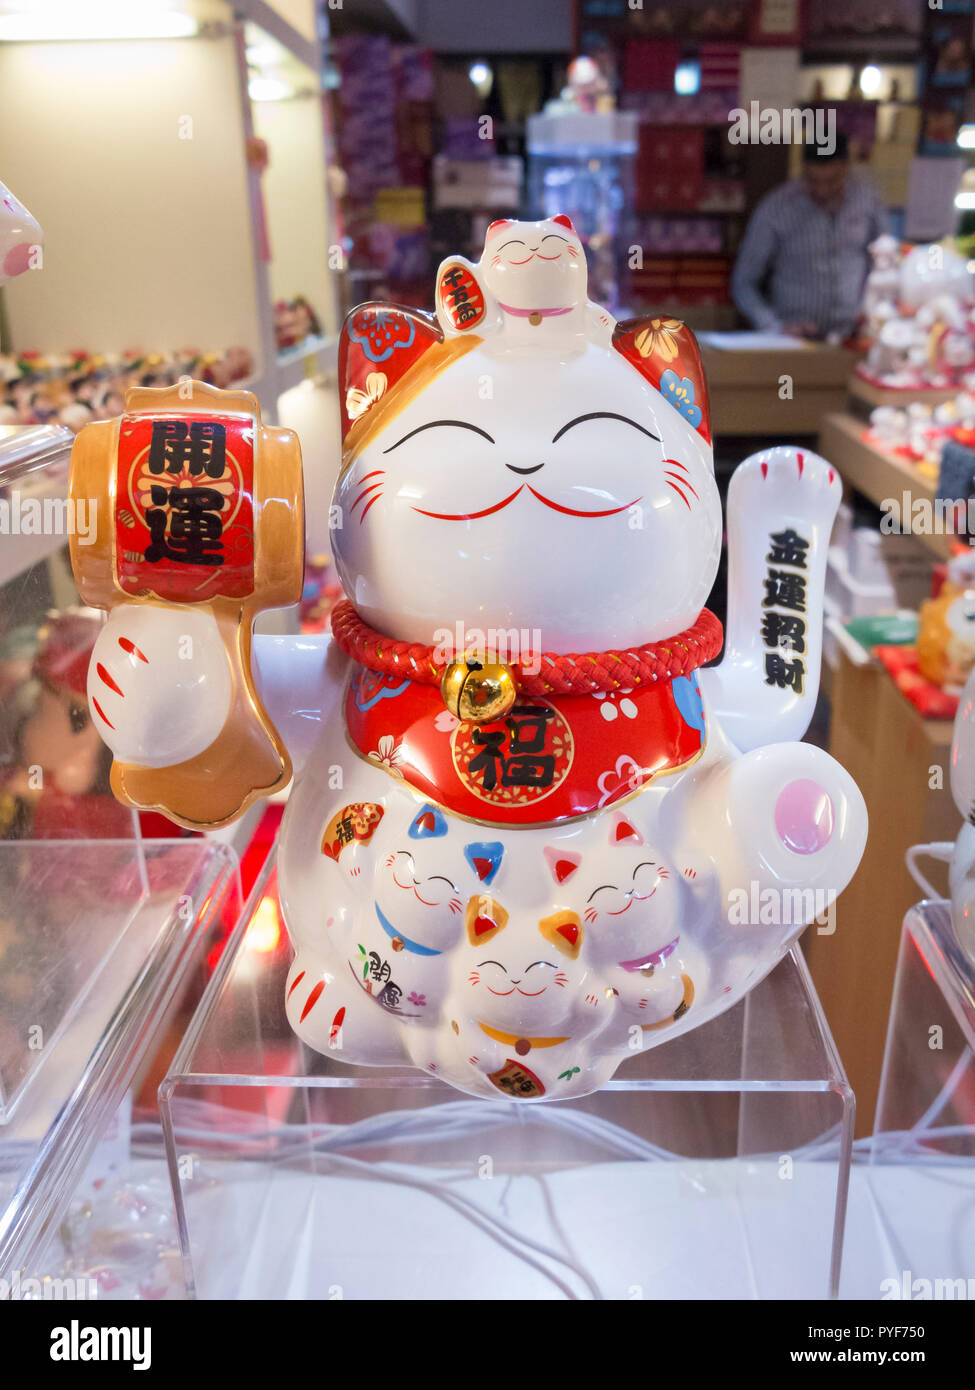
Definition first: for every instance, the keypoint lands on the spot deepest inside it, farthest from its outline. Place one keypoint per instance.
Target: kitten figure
(529, 288)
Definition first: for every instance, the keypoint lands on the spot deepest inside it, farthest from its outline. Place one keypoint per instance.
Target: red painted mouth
(506, 501)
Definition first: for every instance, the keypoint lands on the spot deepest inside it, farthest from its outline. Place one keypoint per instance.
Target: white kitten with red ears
(516, 903)
(529, 288)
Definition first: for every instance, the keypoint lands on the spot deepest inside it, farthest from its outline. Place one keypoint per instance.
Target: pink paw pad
(17, 259)
(804, 816)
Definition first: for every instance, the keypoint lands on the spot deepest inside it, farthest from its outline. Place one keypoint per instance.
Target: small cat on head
(529, 288)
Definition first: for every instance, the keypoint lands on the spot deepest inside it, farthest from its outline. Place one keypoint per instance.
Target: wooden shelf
(874, 396)
(877, 475)
(744, 390)
(889, 749)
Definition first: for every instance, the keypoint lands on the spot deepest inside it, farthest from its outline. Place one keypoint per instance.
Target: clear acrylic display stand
(97, 938)
(922, 1156)
(715, 1166)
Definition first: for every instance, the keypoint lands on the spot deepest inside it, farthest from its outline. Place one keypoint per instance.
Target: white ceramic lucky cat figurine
(530, 834)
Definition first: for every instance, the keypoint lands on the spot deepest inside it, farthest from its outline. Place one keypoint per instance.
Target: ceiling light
(871, 80)
(269, 89)
(50, 20)
(687, 78)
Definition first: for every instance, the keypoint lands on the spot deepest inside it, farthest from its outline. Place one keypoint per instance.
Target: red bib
(546, 760)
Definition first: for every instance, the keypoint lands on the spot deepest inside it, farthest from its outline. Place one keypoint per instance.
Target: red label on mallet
(184, 511)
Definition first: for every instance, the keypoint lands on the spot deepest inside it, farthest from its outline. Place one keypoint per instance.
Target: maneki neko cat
(533, 829)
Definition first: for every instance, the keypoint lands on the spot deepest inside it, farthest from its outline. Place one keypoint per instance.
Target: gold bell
(478, 690)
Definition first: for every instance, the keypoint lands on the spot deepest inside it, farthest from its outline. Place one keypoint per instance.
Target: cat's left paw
(786, 481)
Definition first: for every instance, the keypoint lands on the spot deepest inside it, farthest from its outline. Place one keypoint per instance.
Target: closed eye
(603, 415)
(515, 241)
(441, 879)
(539, 962)
(600, 890)
(647, 864)
(491, 962)
(438, 424)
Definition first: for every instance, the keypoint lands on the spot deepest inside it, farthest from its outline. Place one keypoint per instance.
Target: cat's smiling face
(535, 265)
(566, 497)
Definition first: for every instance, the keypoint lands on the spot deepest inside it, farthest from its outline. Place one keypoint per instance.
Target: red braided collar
(572, 674)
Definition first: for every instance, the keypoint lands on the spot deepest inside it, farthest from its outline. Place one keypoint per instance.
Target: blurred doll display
(919, 431)
(75, 388)
(54, 772)
(533, 829)
(946, 636)
(919, 313)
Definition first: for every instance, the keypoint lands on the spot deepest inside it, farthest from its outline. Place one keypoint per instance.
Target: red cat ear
(496, 226)
(562, 863)
(624, 832)
(378, 345)
(564, 221)
(665, 351)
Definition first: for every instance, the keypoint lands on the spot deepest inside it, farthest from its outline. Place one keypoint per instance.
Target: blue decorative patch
(484, 857)
(428, 824)
(368, 688)
(679, 390)
(380, 318)
(687, 698)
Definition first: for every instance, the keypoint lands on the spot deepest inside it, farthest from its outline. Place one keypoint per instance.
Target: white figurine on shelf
(923, 327)
(882, 288)
(890, 426)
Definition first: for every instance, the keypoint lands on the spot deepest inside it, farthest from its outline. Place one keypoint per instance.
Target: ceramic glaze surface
(960, 856)
(520, 905)
(21, 238)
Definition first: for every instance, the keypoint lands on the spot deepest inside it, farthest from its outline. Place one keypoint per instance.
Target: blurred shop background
(219, 181)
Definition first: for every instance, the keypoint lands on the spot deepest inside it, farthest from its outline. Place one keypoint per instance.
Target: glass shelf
(921, 1170)
(715, 1166)
(97, 938)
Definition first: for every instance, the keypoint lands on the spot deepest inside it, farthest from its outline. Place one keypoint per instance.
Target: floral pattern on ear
(665, 351)
(378, 345)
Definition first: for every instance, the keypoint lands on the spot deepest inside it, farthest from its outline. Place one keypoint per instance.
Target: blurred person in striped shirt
(804, 259)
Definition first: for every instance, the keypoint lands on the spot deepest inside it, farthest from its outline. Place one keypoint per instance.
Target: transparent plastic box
(921, 1171)
(111, 929)
(715, 1166)
(103, 933)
